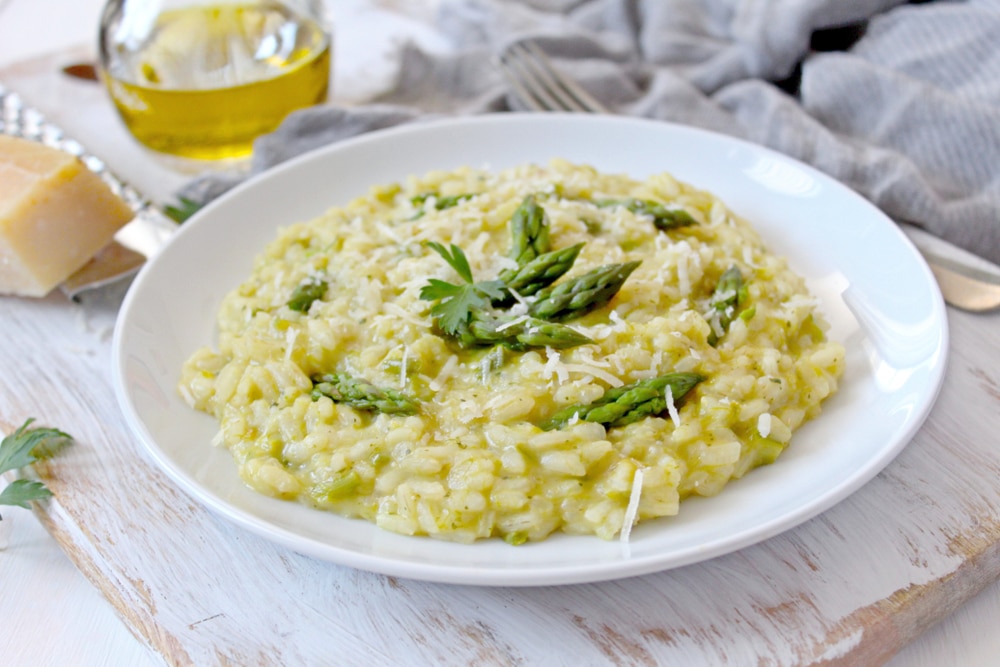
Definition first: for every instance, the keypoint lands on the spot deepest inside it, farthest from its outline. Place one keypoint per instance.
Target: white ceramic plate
(875, 289)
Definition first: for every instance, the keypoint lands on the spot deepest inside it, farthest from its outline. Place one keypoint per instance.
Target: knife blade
(967, 281)
(133, 245)
(965, 287)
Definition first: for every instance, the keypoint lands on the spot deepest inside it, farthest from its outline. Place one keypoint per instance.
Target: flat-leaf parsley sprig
(457, 303)
(24, 447)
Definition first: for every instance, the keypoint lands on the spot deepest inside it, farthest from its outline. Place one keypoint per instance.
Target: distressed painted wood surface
(849, 587)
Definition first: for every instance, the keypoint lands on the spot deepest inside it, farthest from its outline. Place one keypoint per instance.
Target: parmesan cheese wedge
(55, 214)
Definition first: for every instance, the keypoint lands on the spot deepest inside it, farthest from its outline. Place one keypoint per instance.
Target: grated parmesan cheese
(554, 366)
(513, 323)
(402, 313)
(724, 296)
(764, 424)
(290, 335)
(672, 407)
(593, 371)
(587, 356)
(713, 321)
(797, 301)
(402, 367)
(619, 323)
(633, 506)
(388, 231)
(446, 372)
(489, 362)
(683, 271)
(599, 332)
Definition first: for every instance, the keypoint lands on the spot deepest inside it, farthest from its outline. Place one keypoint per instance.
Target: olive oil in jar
(203, 81)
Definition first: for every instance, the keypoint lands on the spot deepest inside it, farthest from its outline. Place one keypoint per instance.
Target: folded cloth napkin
(900, 101)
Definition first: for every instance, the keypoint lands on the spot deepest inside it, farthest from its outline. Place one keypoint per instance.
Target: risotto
(477, 354)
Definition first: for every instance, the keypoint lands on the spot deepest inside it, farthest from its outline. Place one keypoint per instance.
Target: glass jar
(201, 79)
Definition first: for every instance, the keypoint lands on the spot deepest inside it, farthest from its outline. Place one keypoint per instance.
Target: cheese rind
(55, 214)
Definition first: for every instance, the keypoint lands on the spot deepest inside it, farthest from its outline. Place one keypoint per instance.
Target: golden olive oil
(208, 80)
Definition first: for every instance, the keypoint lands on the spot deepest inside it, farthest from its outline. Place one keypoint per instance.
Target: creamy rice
(470, 460)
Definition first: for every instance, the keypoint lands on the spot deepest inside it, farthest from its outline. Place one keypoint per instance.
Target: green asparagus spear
(578, 296)
(440, 203)
(519, 333)
(663, 218)
(312, 289)
(542, 271)
(339, 487)
(529, 230)
(730, 293)
(630, 403)
(362, 395)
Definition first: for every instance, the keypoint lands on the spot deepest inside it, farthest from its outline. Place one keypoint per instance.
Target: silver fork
(536, 82)
(538, 85)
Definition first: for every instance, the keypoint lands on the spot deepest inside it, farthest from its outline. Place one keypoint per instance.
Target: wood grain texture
(849, 587)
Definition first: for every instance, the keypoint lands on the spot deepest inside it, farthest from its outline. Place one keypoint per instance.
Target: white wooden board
(850, 587)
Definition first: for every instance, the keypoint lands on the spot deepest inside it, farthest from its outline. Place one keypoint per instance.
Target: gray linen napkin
(906, 110)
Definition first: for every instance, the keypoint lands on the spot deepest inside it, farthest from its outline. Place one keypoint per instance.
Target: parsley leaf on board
(24, 447)
(21, 491)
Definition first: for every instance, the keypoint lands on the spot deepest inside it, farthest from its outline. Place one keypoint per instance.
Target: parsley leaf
(456, 311)
(457, 303)
(21, 491)
(21, 448)
(456, 259)
(183, 210)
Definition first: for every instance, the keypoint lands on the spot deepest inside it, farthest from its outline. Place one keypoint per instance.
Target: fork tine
(513, 71)
(543, 70)
(521, 72)
(539, 85)
(582, 99)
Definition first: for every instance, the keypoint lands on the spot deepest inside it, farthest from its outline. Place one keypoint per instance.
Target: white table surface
(51, 615)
